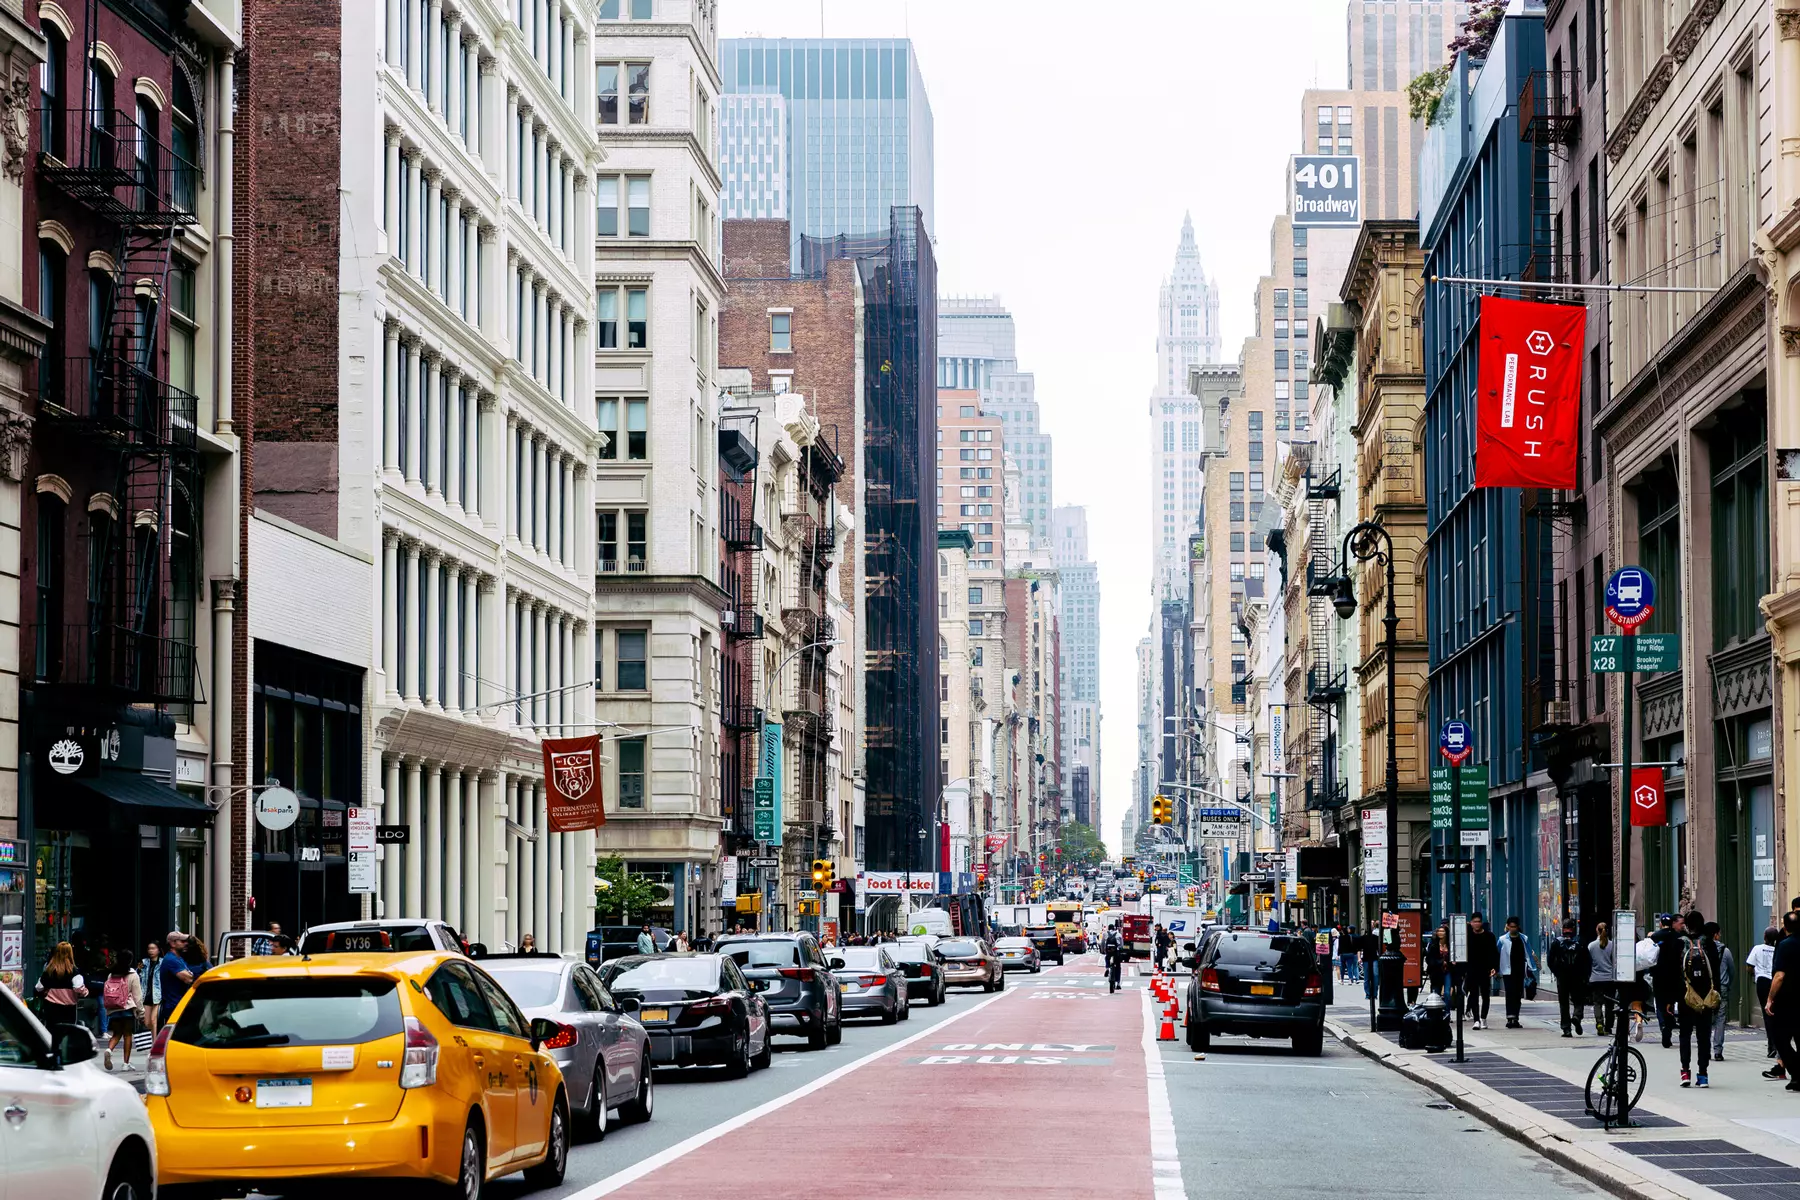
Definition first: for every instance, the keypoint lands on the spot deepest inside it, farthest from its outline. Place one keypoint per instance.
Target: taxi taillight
(156, 1072)
(418, 1068)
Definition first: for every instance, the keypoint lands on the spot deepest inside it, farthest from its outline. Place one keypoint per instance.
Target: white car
(68, 1129)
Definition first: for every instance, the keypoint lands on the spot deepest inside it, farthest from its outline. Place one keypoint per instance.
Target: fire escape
(742, 540)
(1325, 683)
(113, 406)
(809, 528)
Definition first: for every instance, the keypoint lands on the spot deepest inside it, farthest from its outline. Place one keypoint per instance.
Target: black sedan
(924, 969)
(1048, 942)
(873, 984)
(698, 1010)
(1259, 985)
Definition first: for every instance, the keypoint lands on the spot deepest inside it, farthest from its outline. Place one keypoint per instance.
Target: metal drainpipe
(226, 243)
(221, 912)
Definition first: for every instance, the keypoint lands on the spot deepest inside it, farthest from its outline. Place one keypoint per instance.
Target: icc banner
(572, 776)
(1528, 410)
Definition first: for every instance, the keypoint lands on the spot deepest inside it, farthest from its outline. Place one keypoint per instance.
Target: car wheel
(1311, 1043)
(765, 1058)
(906, 1008)
(1036, 967)
(890, 1015)
(816, 1034)
(834, 1033)
(471, 1167)
(549, 1173)
(593, 1121)
(1199, 1040)
(129, 1178)
(640, 1107)
(739, 1064)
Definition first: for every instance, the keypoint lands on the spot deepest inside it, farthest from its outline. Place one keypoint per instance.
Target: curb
(1606, 1171)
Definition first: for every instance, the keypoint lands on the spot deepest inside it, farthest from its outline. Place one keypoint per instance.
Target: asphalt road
(1254, 1117)
(693, 1100)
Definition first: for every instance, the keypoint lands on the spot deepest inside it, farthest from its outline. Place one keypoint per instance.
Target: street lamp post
(1369, 541)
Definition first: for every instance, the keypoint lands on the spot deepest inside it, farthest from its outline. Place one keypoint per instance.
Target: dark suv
(1256, 984)
(619, 941)
(789, 972)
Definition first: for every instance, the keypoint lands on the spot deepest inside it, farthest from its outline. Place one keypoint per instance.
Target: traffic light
(822, 872)
(1159, 811)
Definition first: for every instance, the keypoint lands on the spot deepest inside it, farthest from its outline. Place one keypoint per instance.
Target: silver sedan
(602, 1050)
(872, 983)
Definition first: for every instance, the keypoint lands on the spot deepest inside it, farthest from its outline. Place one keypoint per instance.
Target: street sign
(1454, 743)
(1651, 652)
(1220, 814)
(1325, 189)
(364, 876)
(763, 814)
(1473, 789)
(1257, 876)
(1375, 840)
(359, 836)
(397, 835)
(277, 808)
(1630, 597)
(1221, 829)
(765, 863)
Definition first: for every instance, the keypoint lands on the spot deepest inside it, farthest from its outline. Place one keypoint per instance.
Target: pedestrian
(1726, 962)
(1347, 955)
(1517, 968)
(1760, 962)
(1370, 946)
(61, 987)
(1783, 1005)
(121, 999)
(1569, 966)
(175, 972)
(271, 943)
(1666, 980)
(1694, 1007)
(1644, 967)
(1602, 977)
(1437, 958)
(1335, 931)
(1481, 966)
(646, 942)
(151, 979)
(1162, 941)
(528, 943)
(680, 944)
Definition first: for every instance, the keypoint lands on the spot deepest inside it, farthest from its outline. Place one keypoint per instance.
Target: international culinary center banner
(1528, 403)
(572, 783)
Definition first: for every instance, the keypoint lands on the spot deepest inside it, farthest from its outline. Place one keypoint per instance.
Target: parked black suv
(1256, 984)
(789, 972)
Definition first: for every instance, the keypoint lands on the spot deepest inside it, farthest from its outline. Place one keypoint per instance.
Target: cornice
(432, 319)
(667, 137)
(695, 587)
(1682, 43)
(621, 251)
(635, 30)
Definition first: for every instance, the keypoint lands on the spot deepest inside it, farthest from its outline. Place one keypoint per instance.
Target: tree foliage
(618, 893)
(1081, 846)
(1475, 35)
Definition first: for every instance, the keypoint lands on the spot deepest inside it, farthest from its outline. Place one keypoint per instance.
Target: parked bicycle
(1602, 1096)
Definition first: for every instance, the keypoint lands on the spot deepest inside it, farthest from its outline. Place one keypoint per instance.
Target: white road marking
(1165, 1157)
(635, 1172)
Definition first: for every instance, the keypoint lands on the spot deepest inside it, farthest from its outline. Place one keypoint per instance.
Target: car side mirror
(1188, 946)
(628, 1004)
(74, 1044)
(542, 1030)
(836, 962)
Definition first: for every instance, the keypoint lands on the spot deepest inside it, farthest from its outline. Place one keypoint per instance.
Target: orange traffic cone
(1167, 1033)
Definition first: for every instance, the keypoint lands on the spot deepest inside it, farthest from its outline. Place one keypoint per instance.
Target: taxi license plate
(284, 1093)
(653, 1014)
(1262, 989)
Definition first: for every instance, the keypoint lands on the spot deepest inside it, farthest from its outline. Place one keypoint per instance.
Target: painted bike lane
(1039, 1091)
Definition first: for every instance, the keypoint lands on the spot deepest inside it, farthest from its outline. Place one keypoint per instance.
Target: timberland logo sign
(66, 756)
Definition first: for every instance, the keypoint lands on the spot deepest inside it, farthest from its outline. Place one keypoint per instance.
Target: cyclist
(1113, 947)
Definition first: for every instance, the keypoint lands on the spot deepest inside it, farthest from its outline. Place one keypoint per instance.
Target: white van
(928, 921)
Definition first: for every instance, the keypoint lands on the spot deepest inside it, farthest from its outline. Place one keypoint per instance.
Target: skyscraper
(1079, 584)
(975, 353)
(1187, 335)
(853, 126)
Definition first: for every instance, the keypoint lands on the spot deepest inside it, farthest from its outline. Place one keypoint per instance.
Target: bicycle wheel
(1601, 1095)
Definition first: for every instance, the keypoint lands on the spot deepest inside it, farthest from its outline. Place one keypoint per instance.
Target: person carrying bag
(1699, 996)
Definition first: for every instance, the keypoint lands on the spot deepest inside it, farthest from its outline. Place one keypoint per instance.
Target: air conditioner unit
(1558, 712)
(728, 618)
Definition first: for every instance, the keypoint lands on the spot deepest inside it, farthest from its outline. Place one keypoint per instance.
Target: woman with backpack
(121, 999)
(1699, 996)
(61, 987)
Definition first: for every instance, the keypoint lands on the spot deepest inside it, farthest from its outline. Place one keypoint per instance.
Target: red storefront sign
(1528, 402)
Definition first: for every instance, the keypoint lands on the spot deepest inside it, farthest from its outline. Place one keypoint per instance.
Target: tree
(1475, 37)
(1081, 846)
(618, 893)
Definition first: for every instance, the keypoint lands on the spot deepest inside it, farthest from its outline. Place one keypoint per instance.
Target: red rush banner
(572, 777)
(1528, 403)
(1649, 807)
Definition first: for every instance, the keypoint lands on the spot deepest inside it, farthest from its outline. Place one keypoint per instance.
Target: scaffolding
(899, 282)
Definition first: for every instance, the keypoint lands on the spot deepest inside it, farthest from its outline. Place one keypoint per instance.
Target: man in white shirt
(1760, 962)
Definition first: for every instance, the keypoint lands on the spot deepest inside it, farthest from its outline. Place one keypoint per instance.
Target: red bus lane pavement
(1039, 1091)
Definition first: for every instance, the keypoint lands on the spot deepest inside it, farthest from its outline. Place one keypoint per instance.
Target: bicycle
(1602, 1096)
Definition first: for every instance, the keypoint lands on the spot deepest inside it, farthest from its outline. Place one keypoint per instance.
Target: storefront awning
(150, 802)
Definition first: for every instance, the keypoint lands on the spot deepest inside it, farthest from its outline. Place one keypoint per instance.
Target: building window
(781, 334)
(636, 304)
(974, 595)
(630, 752)
(975, 627)
(49, 640)
(637, 91)
(1740, 533)
(1237, 572)
(636, 545)
(183, 326)
(608, 540)
(51, 136)
(632, 441)
(632, 660)
(1237, 542)
(1659, 548)
(637, 205)
(52, 271)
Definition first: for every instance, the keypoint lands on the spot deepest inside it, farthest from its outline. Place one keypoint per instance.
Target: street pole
(1622, 1018)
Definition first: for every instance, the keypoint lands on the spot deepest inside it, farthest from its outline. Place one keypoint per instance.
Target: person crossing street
(1112, 946)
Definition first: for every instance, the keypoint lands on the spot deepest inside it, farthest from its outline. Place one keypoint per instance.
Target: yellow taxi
(411, 1066)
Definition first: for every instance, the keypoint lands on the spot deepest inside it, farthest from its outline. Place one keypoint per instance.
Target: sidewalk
(1739, 1138)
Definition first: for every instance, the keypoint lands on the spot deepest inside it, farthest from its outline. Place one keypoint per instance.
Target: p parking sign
(1324, 189)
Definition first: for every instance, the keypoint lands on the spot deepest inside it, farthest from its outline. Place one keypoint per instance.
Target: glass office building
(853, 125)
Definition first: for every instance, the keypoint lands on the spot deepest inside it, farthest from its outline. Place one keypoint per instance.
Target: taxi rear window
(302, 1011)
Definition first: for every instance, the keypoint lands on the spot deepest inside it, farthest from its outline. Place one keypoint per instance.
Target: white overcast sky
(1071, 137)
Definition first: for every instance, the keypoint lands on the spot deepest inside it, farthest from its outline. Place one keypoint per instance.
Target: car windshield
(1039, 931)
(861, 958)
(1013, 944)
(763, 954)
(289, 1011)
(363, 939)
(529, 986)
(960, 948)
(1252, 951)
(694, 976)
(910, 952)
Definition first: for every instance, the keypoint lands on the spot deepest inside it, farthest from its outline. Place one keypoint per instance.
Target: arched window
(49, 614)
(52, 83)
(53, 270)
(102, 148)
(184, 143)
(145, 154)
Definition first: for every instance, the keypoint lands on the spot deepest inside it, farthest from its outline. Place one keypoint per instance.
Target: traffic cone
(1167, 1032)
